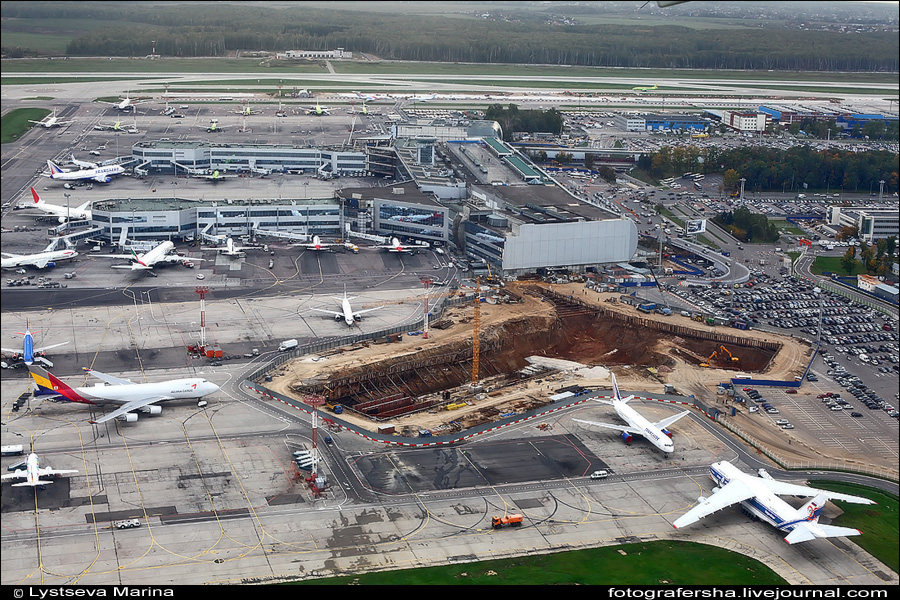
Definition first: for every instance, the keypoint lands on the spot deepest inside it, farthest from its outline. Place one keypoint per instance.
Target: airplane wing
(368, 310)
(11, 351)
(783, 488)
(622, 428)
(805, 531)
(108, 378)
(17, 474)
(130, 406)
(47, 471)
(44, 348)
(735, 491)
(333, 313)
(669, 420)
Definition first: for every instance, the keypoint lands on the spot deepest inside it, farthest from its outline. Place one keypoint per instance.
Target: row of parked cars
(855, 387)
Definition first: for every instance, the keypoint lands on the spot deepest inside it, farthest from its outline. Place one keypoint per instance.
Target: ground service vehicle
(511, 520)
(287, 345)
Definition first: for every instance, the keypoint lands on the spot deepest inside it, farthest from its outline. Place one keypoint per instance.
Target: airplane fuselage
(41, 258)
(178, 389)
(653, 434)
(348, 312)
(764, 505)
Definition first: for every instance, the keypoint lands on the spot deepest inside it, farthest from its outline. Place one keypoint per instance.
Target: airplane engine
(701, 499)
(338, 317)
(128, 418)
(152, 409)
(627, 438)
(668, 433)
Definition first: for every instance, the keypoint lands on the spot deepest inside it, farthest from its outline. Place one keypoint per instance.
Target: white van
(600, 474)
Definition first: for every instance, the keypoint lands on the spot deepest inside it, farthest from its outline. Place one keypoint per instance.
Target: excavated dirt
(431, 373)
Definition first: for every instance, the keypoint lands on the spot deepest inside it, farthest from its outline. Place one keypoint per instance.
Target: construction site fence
(716, 416)
(325, 344)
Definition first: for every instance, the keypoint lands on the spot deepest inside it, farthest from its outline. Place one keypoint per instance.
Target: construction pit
(545, 339)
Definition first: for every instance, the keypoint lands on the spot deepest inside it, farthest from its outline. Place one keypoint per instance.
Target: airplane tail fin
(807, 526)
(49, 384)
(615, 386)
(54, 170)
(34, 194)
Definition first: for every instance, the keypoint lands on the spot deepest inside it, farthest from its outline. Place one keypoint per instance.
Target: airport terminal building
(188, 156)
(478, 195)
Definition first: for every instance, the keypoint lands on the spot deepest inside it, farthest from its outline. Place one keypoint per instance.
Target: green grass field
(15, 123)
(653, 563)
(830, 264)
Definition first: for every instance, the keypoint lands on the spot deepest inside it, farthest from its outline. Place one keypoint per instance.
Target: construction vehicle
(715, 353)
(510, 520)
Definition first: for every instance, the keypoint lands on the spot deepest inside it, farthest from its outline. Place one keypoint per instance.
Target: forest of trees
(748, 226)
(772, 169)
(511, 119)
(200, 29)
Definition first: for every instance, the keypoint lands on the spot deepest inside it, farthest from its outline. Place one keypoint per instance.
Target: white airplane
(99, 174)
(28, 352)
(33, 472)
(317, 244)
(76, 213)
(159, 255)
(84, 164)
(396, 246)
(655, 433)
(117, 126)
(317, 110)
(214, 176)
(132, 397)
(126, 104)
(39, 260)
(51, 121)
(759, 496)
(231, 250)
(246, 111)
(347, 313)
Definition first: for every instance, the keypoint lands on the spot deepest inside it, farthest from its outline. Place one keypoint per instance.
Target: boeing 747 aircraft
(759, 496)
(131, 397)
(655, 433)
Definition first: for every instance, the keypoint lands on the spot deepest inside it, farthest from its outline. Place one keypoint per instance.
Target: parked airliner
(39, 260)
(99, 174)
(396, 246)
(132, 397)
(159, 255)
(33, 472)
(655, 433)
(759, 496)
(81, 212)
(28, 353)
